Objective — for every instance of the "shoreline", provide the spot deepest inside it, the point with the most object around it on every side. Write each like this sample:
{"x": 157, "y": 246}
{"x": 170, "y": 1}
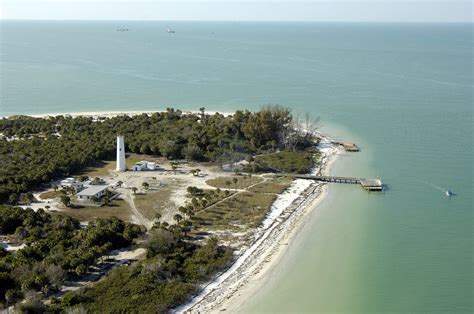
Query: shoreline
{"x": 230, "y": 289}
{"x": 110, "y": 114}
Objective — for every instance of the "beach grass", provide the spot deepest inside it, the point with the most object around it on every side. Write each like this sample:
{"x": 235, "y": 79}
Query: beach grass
{"x": 228, "y": 182}
{"x": 242, "y": 211}
{"x": 276, "y": 186}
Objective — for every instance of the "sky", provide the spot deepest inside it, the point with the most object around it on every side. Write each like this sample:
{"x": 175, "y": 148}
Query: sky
{"x": 241, "y": 10}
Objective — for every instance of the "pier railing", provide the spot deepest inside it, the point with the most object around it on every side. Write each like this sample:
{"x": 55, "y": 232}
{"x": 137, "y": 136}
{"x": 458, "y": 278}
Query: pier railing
{"x": 368, "y": 184}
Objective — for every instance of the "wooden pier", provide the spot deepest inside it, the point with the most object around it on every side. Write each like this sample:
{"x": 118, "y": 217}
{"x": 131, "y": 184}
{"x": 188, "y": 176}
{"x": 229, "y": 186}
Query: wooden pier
{"x": 368, "y": 184}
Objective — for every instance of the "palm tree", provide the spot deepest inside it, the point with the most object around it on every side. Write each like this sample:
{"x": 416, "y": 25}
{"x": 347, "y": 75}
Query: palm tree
{"x": 187, "y": 227}
{"x": 134, "y": 189}
{"x": 145, "y": 185}
{"x": 83, "y": 178}
{"x": 227, "y": 183}
{"x": 190, "y": 212}
{"x": 178, "y": 218}
{"x": 210, "y": 195}
{"x": 66, "y": 200}
{"x": 183, "y": 210}
{"x": 235, "y": 180}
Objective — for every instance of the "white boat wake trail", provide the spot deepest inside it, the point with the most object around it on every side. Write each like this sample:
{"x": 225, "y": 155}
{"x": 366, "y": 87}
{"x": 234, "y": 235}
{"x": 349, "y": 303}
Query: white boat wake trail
{"x": 437, "y": 187}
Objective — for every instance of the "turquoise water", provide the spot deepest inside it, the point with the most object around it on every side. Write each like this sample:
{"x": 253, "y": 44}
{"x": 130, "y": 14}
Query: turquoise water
{"x": 404, "y": 93}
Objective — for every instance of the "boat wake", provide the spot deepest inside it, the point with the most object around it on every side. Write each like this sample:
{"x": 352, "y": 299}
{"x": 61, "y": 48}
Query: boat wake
{"x": 437, "y": 187}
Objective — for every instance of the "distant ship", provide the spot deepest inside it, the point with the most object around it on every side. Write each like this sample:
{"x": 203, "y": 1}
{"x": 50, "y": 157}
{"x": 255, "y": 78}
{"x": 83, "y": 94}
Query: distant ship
{"x": 170, "y": 31}
{"x": 449, "y": 193}
{"x": 122, "y": 30}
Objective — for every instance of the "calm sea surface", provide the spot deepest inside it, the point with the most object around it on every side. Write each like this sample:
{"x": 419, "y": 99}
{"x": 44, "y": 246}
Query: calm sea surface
{"x": 404, "y": 93}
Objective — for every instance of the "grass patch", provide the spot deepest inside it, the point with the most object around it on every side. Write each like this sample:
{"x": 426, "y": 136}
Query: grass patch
{"x": 242, "y": 210}
{"x": 276, "y": 186}
{"x": 134, "y": 158}
{"x": 99, "y": 169}
{"x": 131, "y": 160}
{"x": 118, "y": 208}
{"x": 242, "y": 182}
{"x": 152, "y": 203}
{"x": 285, "y": 161}
{"x": 50, "y": 195}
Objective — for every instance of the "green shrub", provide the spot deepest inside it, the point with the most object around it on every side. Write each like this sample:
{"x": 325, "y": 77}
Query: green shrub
{"x": 70, "y": 299}
{"x": 284, "y": 161}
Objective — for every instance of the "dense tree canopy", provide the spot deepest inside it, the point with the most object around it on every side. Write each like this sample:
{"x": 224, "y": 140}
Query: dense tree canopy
{"x": 167, "y": 278}
{"x": 37, "y": 150}
{"x": 55, "y": 247}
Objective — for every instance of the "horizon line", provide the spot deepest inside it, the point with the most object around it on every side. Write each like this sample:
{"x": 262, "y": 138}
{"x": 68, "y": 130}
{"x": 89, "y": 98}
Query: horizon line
{"x": 243, "y": 21}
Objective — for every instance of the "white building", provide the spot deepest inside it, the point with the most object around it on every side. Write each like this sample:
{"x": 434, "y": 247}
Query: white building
{"x": 121, "y": 166}
{"x": 152, "y": 166}
{"x": 72, "y": 183}
{"x": 93, "y": 190}
{"x": 144, "y": 166}
{"x": 87, "y": 183}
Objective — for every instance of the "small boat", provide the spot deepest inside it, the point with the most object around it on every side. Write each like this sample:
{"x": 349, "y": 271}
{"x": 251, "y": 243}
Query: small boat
{"x": 449, "y": 193}
{"x": 170, "y": 31}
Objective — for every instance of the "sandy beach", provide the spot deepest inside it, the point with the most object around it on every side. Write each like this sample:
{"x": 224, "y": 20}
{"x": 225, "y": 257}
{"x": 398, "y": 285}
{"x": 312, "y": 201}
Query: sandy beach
{"x": 111, "y": 114}
{"x": 254, "y": 264}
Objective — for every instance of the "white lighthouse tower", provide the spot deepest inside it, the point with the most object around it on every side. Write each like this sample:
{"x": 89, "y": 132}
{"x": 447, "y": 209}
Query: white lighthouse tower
{"x": 120, "y": 154}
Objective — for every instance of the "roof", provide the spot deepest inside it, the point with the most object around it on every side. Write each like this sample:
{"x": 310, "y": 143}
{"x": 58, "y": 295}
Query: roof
{"x": 68, "y": 180}
{"x": 92, "y": 190}
{"x": 371, "y": 182}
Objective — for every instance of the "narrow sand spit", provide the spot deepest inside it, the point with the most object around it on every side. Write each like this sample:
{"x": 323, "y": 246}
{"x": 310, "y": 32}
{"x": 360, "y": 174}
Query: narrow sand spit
{"x": 288, "y": 213}
{"x": 230, "y": 289}
{"x": 111, "y": 114}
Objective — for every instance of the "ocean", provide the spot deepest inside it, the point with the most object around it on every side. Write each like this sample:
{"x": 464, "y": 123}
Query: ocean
{"x": 402, "y": 92}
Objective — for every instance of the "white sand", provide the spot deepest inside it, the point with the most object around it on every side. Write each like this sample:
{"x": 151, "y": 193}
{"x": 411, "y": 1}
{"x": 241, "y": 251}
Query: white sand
{"x": 230, "y": 290}
{"x": 111, "y": 114}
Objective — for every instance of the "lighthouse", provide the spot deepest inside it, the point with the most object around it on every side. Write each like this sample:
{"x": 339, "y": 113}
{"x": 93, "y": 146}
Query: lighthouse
{"x": 120, "y": 154}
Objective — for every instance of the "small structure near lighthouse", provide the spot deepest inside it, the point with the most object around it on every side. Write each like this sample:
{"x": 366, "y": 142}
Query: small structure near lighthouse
{"x": 121, "y": 166}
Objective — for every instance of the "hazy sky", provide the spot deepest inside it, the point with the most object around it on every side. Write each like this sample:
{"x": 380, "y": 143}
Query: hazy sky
{"x": 242, "y": 10}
